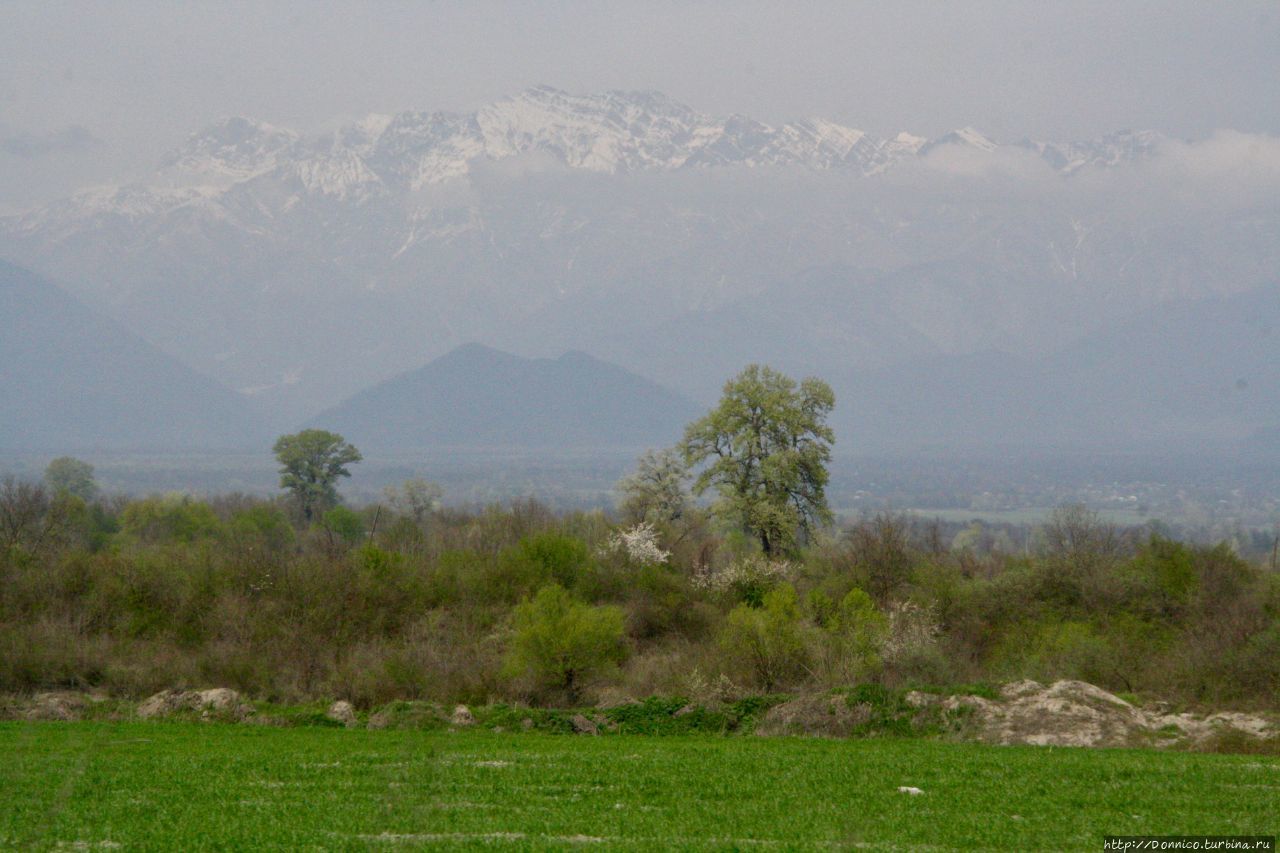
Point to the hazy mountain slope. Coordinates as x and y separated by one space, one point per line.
74 380
1186 370
475 396
1185 375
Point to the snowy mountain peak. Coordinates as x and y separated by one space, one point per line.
230 150
1113 149
966 136
609 132
234 145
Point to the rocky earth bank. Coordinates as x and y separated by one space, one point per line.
1064 713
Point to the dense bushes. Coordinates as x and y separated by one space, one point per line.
411 601
559 644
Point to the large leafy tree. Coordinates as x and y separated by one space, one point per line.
765 448
311 462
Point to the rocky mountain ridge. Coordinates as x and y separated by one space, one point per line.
611 133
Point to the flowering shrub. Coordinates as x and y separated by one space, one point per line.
639 544
747 579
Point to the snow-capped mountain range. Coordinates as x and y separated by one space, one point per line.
610 133
300 269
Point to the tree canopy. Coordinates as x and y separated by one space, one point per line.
655 491
311 462
67 475
765 447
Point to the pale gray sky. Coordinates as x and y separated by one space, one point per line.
93 92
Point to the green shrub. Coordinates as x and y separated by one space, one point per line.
561 644
343 525
850 644
1160 579
768 642
659 604
560 559
262 526
172 518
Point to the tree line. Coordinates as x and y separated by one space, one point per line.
754 590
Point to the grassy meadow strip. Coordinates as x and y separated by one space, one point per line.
189 786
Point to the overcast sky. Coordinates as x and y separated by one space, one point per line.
96 92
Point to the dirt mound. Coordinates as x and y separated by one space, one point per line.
1074 713
1199 731
815 715
1066 713
56 706
220 702
584 725
343 712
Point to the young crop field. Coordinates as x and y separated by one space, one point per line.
188 786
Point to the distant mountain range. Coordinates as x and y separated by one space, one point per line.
611 133
478 397
73 380
301 270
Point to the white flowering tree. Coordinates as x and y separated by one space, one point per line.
656 492
638 544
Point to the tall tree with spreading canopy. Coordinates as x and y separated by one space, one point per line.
766 447
311 462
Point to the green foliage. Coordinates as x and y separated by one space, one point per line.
1163 576
264 526
171 518
344 524
311 462
766 446
769 641
561 644
67 475
535 561
857 634
171 591
655 492
677 716
562 559
887 712
1083 650
658 605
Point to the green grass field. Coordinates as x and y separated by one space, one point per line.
189 786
